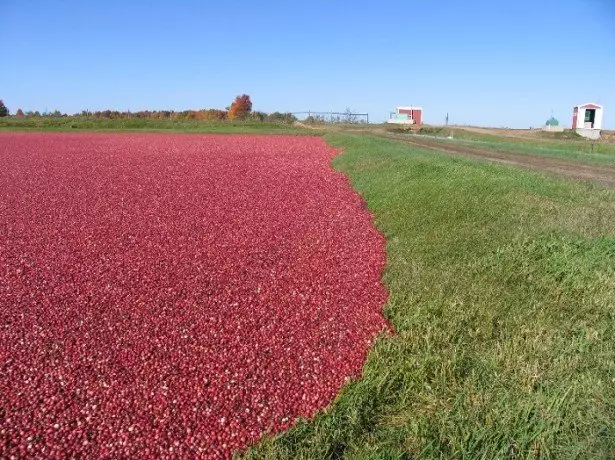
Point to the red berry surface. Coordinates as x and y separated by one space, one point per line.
176 295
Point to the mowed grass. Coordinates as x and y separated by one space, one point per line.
502 295
567 145
147 124
582 151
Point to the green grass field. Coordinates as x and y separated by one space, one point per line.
502 294
566 145
146 124
582 151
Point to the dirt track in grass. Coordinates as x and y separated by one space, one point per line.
603 174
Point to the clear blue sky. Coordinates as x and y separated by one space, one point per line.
493 63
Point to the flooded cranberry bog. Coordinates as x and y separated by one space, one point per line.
176 295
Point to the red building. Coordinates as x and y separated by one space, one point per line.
407 116
414 113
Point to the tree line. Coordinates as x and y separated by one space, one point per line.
240 109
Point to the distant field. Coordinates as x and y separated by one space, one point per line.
522 134
559 145
145 124
502 288
565 145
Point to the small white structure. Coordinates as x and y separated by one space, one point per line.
407 116
587 120
552 126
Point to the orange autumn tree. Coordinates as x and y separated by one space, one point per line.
240 108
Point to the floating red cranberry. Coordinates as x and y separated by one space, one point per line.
176 295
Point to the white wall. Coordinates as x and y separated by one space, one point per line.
589 133
401 121
599 117
580 119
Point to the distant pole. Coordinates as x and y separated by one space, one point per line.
447 119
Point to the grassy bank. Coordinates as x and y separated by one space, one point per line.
146 124
502 293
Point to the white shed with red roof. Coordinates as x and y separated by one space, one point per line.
587 120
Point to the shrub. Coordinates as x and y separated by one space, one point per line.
4 111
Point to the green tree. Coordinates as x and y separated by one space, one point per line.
4 111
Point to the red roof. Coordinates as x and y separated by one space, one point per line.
589 106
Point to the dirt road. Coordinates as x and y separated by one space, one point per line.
604 174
